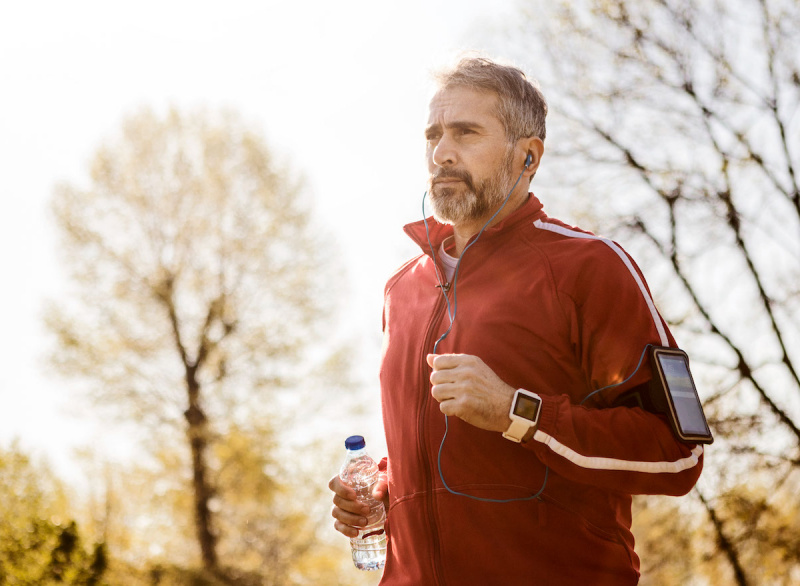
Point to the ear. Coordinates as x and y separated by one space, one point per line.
534 147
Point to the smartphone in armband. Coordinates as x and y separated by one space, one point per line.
672 392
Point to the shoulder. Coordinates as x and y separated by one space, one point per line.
406 269
572 246
578 258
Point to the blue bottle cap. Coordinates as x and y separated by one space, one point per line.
355 442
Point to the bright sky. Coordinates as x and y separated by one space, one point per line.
340 89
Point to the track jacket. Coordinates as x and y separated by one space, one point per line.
557 311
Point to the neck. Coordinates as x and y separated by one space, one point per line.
464 231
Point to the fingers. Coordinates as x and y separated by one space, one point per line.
467 388
346 530
447 361
347 521
382 486
347 511
381 490
448 372
340 488
444 362
444 394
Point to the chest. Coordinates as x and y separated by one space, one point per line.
507 312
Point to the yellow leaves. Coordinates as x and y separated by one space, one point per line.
196 284
678 545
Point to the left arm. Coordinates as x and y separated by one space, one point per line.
617 448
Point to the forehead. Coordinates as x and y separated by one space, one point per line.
459 104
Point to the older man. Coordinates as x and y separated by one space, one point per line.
507 344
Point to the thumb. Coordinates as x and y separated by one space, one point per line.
430 358
381 487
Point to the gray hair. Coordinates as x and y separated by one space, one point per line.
521 107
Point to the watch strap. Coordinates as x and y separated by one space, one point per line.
521 423
517 430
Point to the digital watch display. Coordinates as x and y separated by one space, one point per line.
524 414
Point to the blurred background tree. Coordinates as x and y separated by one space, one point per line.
201 310
40 541
675 128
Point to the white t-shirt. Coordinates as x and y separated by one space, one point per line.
448 262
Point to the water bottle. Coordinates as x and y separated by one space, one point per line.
360 472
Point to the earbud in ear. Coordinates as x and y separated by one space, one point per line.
528 160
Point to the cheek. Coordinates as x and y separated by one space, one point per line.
488 168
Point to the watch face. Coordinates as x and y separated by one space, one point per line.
527 406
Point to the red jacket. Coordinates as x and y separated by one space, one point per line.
557 311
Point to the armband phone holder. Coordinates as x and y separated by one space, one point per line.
672 392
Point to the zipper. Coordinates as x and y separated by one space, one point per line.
427 347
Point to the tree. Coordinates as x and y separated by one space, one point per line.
271 533
40 544
679 542
199 285
676 129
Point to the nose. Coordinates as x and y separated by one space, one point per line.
444 153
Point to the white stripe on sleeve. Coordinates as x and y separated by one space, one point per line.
597 462
600 463
650 305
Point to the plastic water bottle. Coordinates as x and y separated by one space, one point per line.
360 472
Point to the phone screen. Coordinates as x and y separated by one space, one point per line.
688 409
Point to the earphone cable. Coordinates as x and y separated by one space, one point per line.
451 312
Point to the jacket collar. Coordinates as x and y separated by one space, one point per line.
528 212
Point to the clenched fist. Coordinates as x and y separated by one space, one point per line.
468 389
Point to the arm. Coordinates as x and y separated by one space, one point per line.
617 448
611 319
620 448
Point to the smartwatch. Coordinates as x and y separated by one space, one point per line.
524 414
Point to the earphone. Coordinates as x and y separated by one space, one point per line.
451 312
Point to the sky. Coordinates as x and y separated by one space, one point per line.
339 90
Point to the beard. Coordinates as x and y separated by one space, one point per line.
470 202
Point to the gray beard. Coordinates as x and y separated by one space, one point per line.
453 206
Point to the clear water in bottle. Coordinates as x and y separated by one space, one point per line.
360 471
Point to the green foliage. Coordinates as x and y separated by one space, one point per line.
273 511
38 545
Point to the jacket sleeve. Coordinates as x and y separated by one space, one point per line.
622 449
612 320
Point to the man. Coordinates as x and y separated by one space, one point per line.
505 298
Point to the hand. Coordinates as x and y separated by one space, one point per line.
350 514
468 389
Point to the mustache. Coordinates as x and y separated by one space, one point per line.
460 174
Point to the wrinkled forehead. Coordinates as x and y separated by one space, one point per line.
461 102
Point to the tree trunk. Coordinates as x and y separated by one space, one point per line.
196 432
725 545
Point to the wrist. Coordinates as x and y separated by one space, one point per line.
529 436
523 415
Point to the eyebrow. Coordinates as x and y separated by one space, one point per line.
457 124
